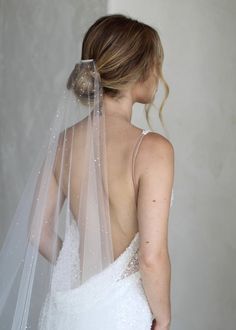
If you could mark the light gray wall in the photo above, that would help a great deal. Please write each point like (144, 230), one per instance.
(40, 43)
(200, 67)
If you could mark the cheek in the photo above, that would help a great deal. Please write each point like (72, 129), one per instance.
(152, 83)
(151, 87)
(148, 94)
(145, 92)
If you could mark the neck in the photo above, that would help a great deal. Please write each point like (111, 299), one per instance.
(120, 107)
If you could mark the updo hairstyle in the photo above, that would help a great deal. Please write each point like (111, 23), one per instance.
(125, 51)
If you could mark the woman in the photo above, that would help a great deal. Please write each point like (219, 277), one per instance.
(112, 270)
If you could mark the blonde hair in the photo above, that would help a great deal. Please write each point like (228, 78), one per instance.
(125, 51)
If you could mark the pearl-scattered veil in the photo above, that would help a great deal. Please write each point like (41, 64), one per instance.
(63, 213)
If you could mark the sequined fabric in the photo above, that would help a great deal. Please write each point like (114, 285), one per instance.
(132, 267)
(112, 299)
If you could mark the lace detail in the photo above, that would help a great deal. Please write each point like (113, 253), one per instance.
(133, 266)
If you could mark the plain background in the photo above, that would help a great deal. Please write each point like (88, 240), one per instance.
(39, 45)
(40, 42)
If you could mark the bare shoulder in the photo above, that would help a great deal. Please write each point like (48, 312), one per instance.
(155, 147)
(158, 142)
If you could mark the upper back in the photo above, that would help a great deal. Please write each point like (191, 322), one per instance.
(123, 187)
(124, 168)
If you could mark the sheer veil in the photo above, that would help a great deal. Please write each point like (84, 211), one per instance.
(60, 235)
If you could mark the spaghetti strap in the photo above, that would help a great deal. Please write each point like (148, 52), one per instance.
(135, 151)
(136, 148)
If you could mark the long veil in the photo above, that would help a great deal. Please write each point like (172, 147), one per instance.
(60, 235)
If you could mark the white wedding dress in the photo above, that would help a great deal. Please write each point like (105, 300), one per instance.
(112, 299)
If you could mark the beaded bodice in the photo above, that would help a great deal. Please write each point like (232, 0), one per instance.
(132, 267)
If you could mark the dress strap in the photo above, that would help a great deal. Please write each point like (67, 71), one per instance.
(135, 151)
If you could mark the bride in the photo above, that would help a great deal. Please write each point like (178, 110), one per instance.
(87, 248)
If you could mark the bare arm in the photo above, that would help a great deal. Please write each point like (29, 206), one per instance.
(50, 243)
(155, 187)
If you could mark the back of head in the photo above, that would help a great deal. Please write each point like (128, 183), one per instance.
(125, 51)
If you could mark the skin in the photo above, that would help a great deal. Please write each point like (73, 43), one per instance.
(154, 169)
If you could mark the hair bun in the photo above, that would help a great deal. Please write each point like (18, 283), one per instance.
(81, 81)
